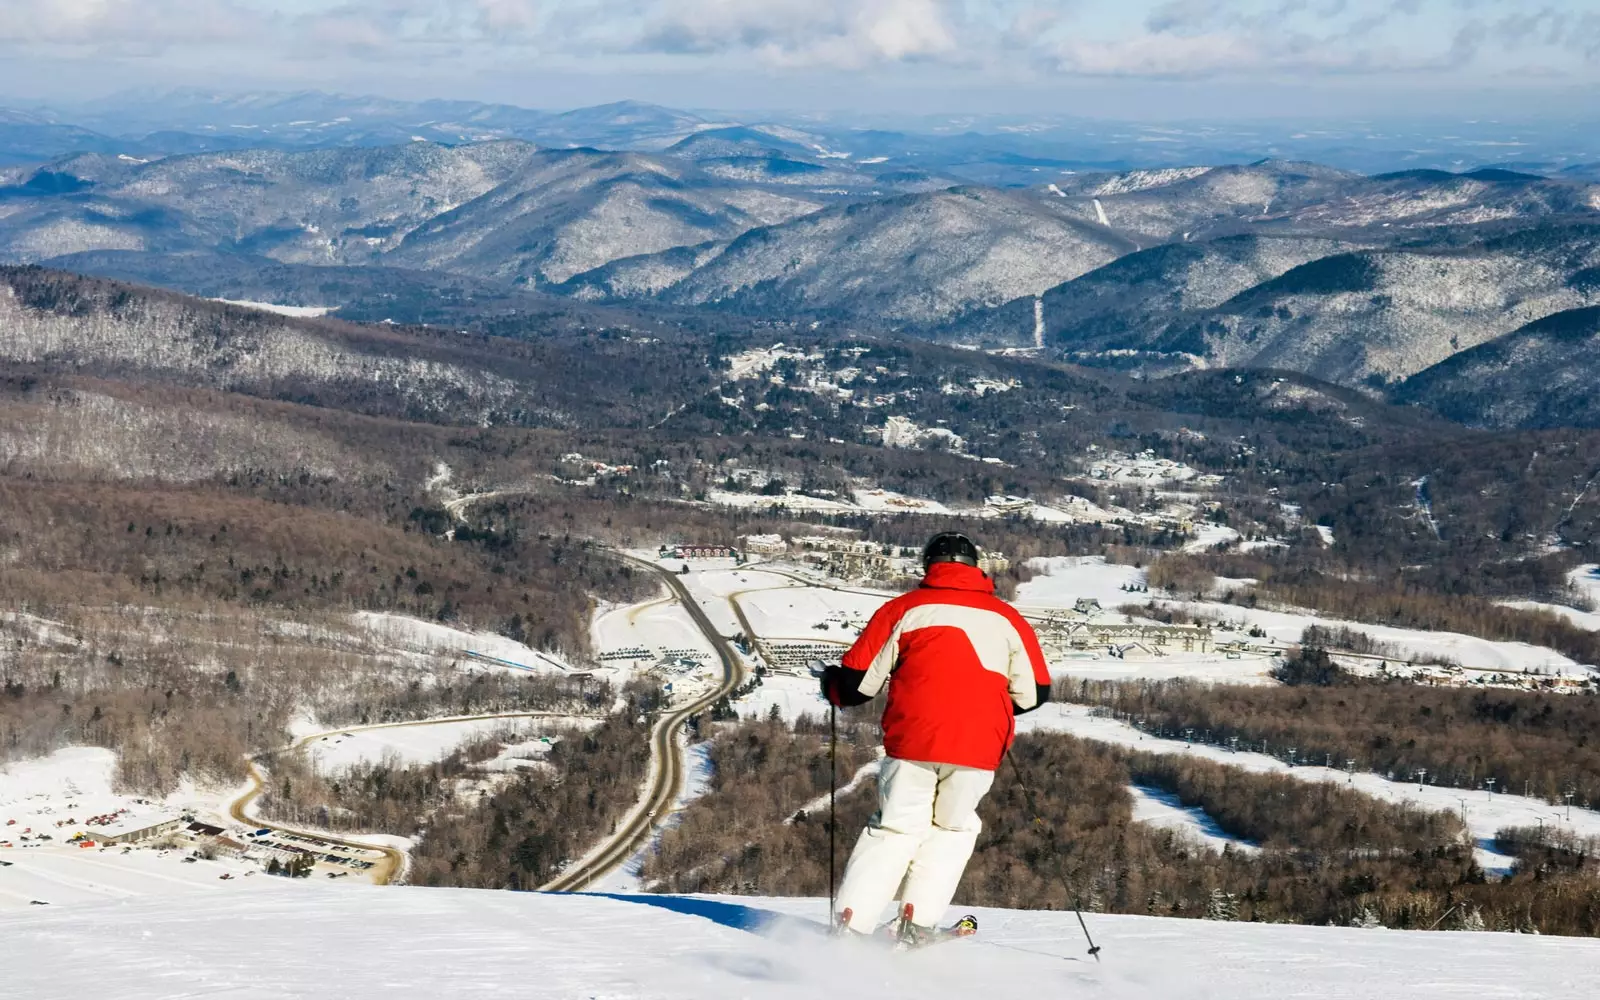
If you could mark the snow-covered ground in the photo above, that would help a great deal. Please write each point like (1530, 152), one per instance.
(298, 312)
(1063, 580)
(796, 613)
(441, 944)
(430, 638)
(60, 875)
(1207, 535)
(1285, 628)
(1583, 619)
(76, 783)
(1586, 579)
(412, 744)
(1163, 809)
(41, 795)
(1484, 814)
(639, 636)
(793, 696)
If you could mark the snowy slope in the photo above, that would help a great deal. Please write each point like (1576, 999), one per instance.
(307, 942)
(1484, 814)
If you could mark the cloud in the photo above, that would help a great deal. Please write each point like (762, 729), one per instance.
(987, 39)
(849, 34)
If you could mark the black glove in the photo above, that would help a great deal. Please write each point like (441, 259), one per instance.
(842, 687)
(1041, 696)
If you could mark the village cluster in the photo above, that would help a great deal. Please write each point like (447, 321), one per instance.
(129, 828)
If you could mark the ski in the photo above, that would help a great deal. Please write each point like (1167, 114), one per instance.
(901, 934)
(910, 936)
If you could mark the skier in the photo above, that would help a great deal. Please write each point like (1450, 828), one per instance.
(959, 664)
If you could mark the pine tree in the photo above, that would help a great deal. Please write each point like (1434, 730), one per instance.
(1368, 919)
(1222, 906)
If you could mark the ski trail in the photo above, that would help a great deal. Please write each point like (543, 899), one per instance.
(865, 771)
(1038, 322)
(86, 885)
(1578, 499)
(1425, 505)
(1100, 211)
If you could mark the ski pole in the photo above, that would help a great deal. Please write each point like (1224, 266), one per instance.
(833, 784)
(1055, 854)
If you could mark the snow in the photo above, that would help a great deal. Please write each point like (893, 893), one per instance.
(1583, 619)
(419, 636)
(413, 744)
(795, 613)
(1285, 627)
(1062, 580)
(661, 627)
(313, 942)
(76, 783)
(61, 875)
(1586, 579)
(298, 312)
(1162, 809)
(792, 696)
(1484, 814)
(1208, 535)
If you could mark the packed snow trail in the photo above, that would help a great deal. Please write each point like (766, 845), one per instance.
(310, 942)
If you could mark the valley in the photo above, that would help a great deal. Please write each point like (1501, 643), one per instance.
(476, 509)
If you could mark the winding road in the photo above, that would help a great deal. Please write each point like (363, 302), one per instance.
(393, 861)
(666, 779)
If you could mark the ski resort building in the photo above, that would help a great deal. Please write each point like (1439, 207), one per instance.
(1077, 632)
(697, 551)
(766, 545)
(134, 828)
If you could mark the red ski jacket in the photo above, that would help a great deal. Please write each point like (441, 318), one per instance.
(959, 663)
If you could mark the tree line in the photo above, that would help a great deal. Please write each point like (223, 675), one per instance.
(1526, 742)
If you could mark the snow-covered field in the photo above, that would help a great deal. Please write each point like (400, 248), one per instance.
(1065, 580)
(57, 876)
(1484, 814)
(795, 613)
(440, 944)
(412, 744)
(76, 783)
(297, 312)
(1468, 650)
(793, 697)
(431, 638)
(644, 634)
(1208, 535)
(1163, 809)
(39, 796)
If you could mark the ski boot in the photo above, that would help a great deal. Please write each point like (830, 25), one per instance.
(908, 934)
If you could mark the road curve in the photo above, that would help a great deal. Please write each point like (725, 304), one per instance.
(666, 779)
(393, 860)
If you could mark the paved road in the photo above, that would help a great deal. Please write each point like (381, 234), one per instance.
(393, 862)
(666, 779)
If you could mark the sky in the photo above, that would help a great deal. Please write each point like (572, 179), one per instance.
(1150, 59)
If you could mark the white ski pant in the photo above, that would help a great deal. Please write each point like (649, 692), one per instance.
(918, 842)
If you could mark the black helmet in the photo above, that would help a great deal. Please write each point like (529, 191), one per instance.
(949, 546)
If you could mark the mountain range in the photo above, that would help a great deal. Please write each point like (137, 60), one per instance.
(1362, 280)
